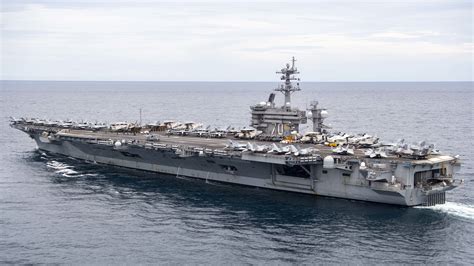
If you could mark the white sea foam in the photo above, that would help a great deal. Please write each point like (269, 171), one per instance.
(453, 208)
(57, 165)
(66, 171)
(62, 168)
(90, 175)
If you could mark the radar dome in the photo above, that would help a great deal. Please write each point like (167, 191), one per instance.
(324, 113)
(328, 162)
(118, 143)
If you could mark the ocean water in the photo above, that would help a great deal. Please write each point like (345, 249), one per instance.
(61, 210)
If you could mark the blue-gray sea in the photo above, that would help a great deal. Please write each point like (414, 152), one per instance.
(60, 210)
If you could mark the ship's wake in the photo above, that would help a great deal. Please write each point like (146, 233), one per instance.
(454, 208)
(65, 169)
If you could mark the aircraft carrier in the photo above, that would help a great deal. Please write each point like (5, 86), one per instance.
(271, 153)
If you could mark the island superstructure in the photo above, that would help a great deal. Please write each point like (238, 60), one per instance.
(279, 121)
(272, 153)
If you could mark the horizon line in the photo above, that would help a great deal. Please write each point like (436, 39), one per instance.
(243, 81)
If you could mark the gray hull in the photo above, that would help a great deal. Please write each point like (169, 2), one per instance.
(323, 182)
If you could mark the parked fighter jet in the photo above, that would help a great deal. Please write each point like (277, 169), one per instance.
(51, 123)
(276, 150)
(366, 141)
(235, 146)
(257, 148)
(98, 126)
(376, 153)
(218, 133)
(307, 151)
(119, 126)
(292, 150)
(419, 150)
(340, 138)
(422, 149)
(66, 124)
(14, 120)
(82, 125)
(343, 150)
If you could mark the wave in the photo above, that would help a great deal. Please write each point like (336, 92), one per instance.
(454, 208)
(57, 165)
(66, 172)
(63, 169)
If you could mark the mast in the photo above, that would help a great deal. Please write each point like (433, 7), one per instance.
(287, 88)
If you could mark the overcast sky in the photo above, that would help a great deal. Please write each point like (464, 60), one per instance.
(151, 40)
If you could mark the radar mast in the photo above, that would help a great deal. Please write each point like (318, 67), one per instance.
(287, 88)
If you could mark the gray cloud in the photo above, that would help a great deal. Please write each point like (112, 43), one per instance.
(42, 39)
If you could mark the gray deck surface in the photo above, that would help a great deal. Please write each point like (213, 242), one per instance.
(201, 142)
